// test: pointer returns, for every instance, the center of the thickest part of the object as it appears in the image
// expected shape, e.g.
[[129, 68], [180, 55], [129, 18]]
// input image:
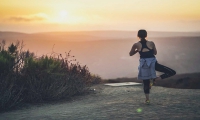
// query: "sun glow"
[[63, 14], [64, 17], [183, 15]]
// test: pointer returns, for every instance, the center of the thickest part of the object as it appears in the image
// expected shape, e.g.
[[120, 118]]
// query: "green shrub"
[[49, 78], [95, 79], [6, 62], [27, 78], [11, 91]]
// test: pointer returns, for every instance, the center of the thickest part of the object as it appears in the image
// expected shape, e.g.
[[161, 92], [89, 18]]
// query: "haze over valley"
[[106, 53]]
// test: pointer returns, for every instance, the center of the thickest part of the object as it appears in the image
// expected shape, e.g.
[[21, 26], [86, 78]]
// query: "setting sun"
[[64, 15], [66, 18]]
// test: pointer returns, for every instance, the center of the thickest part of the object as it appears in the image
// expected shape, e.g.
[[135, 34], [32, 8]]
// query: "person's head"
[[142, 34]]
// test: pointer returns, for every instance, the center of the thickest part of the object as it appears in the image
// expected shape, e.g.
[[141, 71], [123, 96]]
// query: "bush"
[[6, 62], [28, 78], [95, 79], [10, 91], [49, 78]]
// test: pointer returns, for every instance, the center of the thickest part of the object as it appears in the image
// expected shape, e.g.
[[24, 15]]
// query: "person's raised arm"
[[154, 49], [133, 50]]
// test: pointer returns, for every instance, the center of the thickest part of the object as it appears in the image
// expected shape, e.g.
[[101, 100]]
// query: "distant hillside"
[[91, 35], [183, 81], [106, 53]]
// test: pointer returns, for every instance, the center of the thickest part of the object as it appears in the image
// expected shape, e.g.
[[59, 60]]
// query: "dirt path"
[[118, 103]]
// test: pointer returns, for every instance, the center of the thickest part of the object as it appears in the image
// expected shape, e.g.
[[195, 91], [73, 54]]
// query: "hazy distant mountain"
[[106, 52], [91, 35], [124, 33]]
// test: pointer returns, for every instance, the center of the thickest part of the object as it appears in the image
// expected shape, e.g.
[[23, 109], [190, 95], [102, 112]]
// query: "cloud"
[[24, 19], [29, 18]]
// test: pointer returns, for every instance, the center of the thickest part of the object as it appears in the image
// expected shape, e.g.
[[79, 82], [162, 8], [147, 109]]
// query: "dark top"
[[147, 54]]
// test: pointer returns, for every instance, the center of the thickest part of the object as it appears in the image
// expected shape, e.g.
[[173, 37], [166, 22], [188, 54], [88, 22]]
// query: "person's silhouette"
[[148, 63]]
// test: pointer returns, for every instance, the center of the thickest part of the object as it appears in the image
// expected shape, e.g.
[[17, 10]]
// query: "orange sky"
[[65, 15]]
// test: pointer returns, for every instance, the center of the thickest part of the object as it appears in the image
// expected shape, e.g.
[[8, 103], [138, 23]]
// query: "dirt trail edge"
[[118, 103]]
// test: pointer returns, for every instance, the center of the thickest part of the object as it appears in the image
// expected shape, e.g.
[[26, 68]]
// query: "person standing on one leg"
[[148, 63]]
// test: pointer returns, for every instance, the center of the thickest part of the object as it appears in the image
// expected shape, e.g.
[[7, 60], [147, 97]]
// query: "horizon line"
[[98, 31]]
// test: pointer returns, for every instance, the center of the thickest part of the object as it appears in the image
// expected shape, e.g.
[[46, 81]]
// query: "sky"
[[31, 16]]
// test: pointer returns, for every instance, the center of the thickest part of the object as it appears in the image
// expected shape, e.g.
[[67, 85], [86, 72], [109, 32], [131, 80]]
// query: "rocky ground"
[[117, 103]]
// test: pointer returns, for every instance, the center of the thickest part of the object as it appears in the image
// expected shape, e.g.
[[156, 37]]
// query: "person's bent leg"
[[168, 72]]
